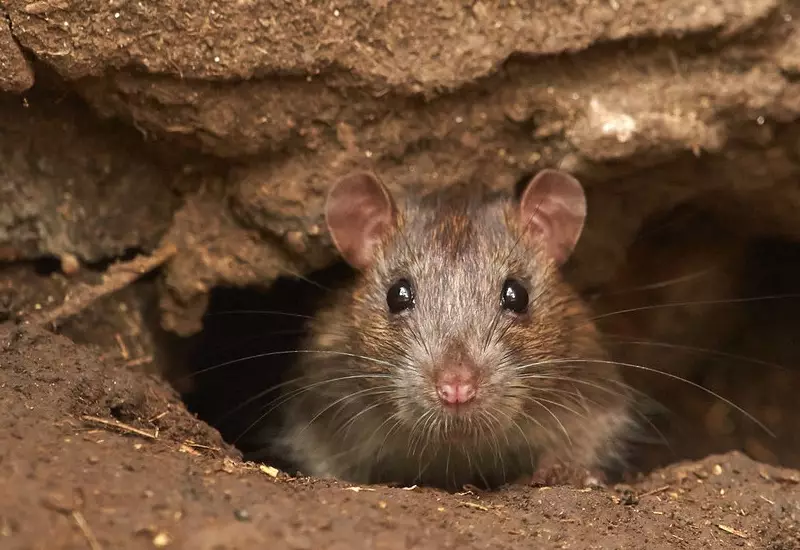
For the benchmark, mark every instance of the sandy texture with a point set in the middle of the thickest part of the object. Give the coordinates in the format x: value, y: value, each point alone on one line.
x: 67, y: 480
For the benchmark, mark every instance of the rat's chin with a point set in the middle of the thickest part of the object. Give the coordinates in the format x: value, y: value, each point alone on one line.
x: 457, y: 430
x: 448, y: 425
x: 456, y: 437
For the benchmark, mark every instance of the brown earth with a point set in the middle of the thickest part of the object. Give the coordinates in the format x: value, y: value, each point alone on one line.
x: 71, y: 482
x: 217, y: 127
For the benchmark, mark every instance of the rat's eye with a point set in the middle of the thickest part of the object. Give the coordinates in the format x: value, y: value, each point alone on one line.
x: 400, y: 296
x: 514, y: 297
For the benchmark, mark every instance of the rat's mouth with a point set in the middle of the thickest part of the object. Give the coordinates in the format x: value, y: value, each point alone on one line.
x: 457, y: 437
x: 458, y: 430
x: 458, y: 411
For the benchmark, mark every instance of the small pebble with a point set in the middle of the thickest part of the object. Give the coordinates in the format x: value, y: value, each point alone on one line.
x: 241, y: 515
x: 70, y: 265
x: 161, y: 540
x: 296, y: 241
x: 271, y: 471
x: 5, y: 529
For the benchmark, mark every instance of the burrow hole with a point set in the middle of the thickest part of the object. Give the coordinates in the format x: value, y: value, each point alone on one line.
x: 754, y: 366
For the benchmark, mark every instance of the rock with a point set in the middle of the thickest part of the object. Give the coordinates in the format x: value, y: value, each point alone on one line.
x: 651, y: 107
x: 16, y: 74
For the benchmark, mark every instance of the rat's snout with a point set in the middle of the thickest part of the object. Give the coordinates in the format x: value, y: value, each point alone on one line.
x: 456, y: 378
x: 455, y: 386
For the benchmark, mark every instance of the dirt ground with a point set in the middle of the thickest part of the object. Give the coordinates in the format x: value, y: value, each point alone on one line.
x: 96, y: 455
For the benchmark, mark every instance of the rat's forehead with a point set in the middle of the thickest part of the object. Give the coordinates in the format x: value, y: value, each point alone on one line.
x: 463, y: 225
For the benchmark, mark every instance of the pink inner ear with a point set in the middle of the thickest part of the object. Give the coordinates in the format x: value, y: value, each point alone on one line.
x: 359, y: 211
x: 554, y: 206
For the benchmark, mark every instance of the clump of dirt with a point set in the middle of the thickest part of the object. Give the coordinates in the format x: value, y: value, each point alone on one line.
x: 16, y: 75
x: 98, y: 455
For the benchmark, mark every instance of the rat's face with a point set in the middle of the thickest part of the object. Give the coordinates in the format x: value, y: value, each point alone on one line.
x: 462, y: 302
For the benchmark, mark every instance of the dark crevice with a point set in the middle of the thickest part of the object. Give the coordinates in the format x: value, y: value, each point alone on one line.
x: 7, y: 17
x: 749, y: 361
x: 51, y: 264
x: 26, y: 52
x: 10, y: 22
x: 47, y: 265
x: 521, y: 183
x: 240, y: 325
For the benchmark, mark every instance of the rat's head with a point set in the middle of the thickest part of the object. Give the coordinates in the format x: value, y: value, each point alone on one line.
x: 460, y: 300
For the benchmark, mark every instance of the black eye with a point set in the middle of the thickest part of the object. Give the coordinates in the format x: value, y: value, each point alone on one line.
x: 514, y: 297
x: 400, y: 296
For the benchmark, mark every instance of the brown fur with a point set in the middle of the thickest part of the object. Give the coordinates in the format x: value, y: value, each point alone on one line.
x: 457, y: 247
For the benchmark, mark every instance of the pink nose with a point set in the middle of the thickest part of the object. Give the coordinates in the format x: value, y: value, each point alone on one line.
x: 456, y: 393
x: 456, y: 386
x: 456, y: 377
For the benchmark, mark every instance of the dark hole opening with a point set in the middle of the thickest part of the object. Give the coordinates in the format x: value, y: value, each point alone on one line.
x: 733, y: 332
x: 47, y: 265
x: 238, y: 328
x: 239, y: 358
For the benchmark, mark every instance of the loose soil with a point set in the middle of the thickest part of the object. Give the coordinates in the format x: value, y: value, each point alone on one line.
x: 97, y: 455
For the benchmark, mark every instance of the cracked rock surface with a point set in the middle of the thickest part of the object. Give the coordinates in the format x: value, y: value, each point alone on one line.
x: 651, y: 106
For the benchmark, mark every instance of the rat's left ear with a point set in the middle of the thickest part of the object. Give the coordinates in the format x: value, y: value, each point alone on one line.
x: 359, y: 212
x: 553, y: 207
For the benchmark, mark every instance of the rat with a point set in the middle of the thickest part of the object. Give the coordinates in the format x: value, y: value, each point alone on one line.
x: 458, y: 355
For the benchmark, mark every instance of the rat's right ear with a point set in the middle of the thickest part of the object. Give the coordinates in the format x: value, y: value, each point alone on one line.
x: 553, y: 207
x: 359, y: 211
